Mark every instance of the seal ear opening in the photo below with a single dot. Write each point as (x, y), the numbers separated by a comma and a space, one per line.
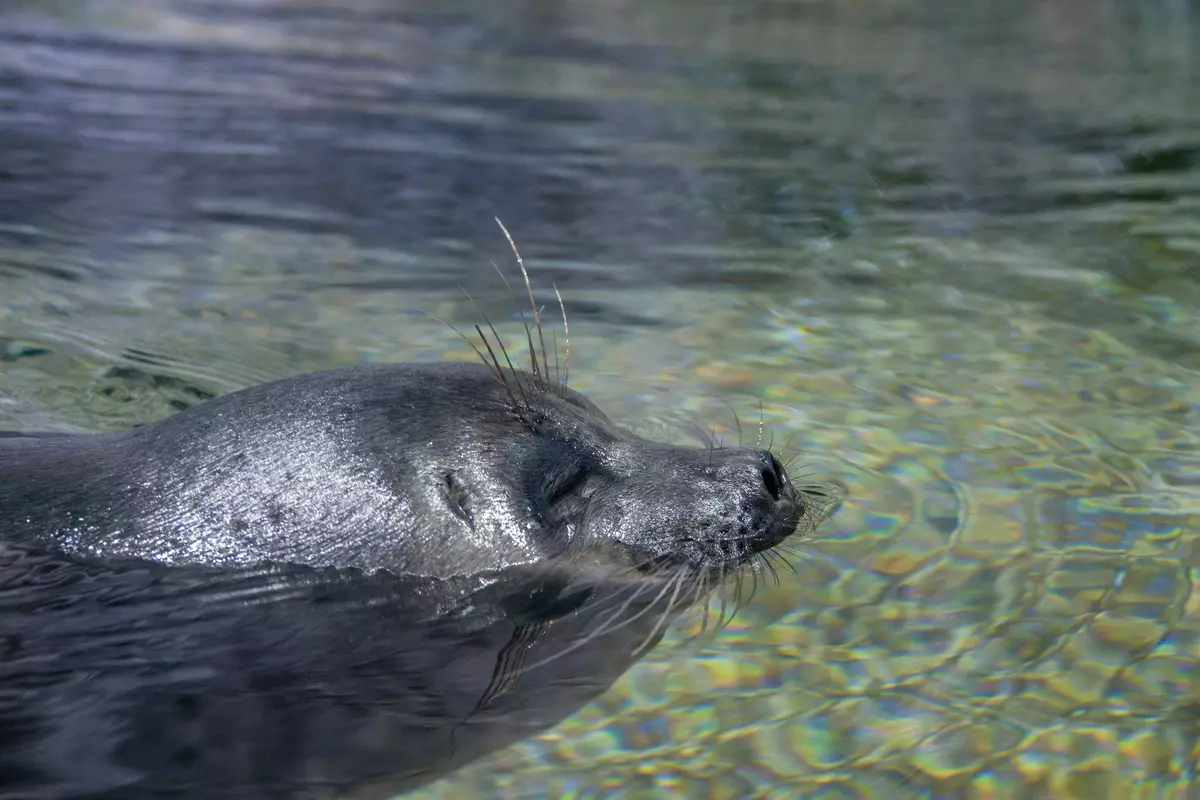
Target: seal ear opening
(458, 498)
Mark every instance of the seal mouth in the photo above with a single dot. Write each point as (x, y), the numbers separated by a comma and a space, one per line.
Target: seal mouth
(719, 555)
(780, 530)
(782, 521)
(798, 512)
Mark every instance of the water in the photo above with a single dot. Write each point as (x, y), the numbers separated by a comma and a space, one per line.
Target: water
(952, 254)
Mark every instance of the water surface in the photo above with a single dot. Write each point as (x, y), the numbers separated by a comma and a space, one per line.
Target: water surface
(952, 251)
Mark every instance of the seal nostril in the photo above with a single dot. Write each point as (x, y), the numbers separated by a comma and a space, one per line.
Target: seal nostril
(771, 472)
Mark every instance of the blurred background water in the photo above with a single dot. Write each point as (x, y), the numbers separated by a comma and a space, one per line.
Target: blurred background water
(952, 249)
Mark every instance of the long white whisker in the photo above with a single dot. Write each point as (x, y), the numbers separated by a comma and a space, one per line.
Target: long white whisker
(604, 627)
(680, 579)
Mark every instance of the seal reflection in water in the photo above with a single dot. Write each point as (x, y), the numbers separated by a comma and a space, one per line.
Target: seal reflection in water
(350, 582)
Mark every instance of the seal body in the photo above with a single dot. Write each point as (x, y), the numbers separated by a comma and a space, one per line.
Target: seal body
(339, 582)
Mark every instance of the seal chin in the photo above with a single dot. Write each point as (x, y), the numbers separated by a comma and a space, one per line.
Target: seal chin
(781, 527)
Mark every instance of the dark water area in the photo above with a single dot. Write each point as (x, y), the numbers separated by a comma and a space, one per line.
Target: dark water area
(603, 135)
(950, 250)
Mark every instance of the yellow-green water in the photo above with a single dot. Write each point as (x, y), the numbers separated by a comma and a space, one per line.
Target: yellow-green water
(953, 256)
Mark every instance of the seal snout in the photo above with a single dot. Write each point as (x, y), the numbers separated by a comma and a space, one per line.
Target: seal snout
(779, 510)
(758, 506)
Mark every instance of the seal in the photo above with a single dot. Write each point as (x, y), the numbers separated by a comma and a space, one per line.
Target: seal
(349, 581)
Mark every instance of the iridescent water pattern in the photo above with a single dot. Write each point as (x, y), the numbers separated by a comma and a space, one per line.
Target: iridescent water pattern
(953, 253)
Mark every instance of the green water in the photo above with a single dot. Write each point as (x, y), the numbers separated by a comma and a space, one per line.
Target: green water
(953, 256)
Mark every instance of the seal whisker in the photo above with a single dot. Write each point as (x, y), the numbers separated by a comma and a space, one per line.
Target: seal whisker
(463, 336)
(537, 317)
(679, 579)
(499, 341)
(805, 554)
(787, 447)
(604, 624)
(757, 567)
(719, 592)
(566, 340)
(754, 569)
(739, 577)
(821, 502)
(671, 586)
(808, 555)
(528, 333)
(694, 428)
(722, 620)
(604, 627)
(640, 587)
(516, 375)
(777, 553)
(557, 366)
(712, 582)
(736, 420)
(813, 515)
(698, 594)
(740, 598)
(755, 574)
(498, 374)
(820, 558)
(703, 585)
(649, 607)
(781, 559)
(765, 558)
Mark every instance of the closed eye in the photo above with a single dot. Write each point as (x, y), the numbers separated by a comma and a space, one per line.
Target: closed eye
(573, 485)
